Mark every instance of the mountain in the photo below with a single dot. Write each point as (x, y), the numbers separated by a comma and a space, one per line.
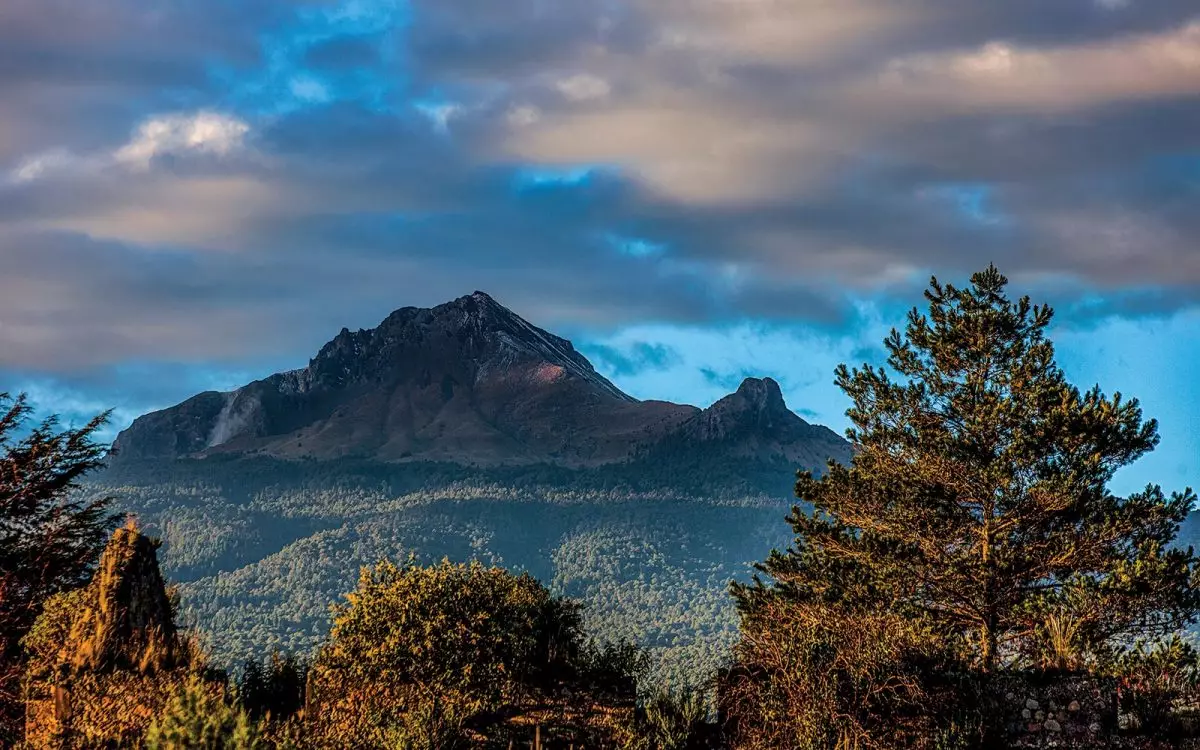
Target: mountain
(463, 431)
(468, 382)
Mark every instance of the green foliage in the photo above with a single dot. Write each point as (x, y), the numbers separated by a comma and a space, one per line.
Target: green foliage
(812, 677)
(611, 668)
(672, 721)
(465, 629)
(104, 659)
(200, 718)
(425, 652)
(978, 497)
(1155, 678)
(431, 724)
(50, 632)
(263, 548)
(49, 536)
(975, 512)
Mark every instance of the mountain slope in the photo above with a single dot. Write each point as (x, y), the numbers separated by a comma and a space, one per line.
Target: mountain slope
(467, 382)
(464, 431)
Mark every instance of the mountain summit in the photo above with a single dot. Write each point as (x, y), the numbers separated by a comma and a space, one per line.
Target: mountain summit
(467, 382)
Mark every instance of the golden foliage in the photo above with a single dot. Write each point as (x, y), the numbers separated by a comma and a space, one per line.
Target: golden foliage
(104, 660)
(818, 677)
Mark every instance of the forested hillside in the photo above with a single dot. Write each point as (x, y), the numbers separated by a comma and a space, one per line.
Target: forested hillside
(262, 548)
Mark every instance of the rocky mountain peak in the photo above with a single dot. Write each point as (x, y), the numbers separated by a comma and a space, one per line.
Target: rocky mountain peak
(757, 406)
(466, 381)
(762, 394)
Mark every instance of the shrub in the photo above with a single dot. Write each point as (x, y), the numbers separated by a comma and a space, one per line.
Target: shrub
(434, 654)
(274, 688)
(1154, 679)
(200, 718)
(672, 721)
(810, 678)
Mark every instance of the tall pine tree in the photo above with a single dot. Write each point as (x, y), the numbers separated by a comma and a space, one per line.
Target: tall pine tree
(50, 538)
(978, 500)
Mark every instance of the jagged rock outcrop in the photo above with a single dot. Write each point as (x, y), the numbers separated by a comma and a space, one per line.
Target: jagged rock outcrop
(466, 382)
(754, 423)
(105, 659)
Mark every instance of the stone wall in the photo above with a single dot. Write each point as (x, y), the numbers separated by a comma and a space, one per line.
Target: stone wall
(1060, 712)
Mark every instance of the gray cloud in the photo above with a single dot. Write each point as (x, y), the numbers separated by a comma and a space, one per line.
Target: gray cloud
(780, 157)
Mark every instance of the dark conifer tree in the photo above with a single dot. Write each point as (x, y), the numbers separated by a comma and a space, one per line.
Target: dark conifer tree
(49, 538)
(978, 496)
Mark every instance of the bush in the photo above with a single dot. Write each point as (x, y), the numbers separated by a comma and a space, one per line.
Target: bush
(817, 677)
(672, 721)
(1155, 679)
(200, 718)
(274, 688)
(427, 656)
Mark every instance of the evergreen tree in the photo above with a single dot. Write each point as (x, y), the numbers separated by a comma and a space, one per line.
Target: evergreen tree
(49, 540)
(977, 499)
(273, 688)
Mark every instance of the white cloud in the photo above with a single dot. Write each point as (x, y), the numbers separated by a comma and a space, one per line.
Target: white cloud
(36, 166)
(201, 132)
(134, 203)
(440, 113)
(170, 134)
(1001, 75)
(582, 87)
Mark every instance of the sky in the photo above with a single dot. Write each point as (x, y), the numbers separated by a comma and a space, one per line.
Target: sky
(198, 193)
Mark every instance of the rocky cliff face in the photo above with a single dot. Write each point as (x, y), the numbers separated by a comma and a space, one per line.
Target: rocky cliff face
(466, 382)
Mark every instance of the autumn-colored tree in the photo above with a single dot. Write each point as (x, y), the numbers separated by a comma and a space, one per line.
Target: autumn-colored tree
(200, 716)
(49, 538)
(103, 660)
(814, 676)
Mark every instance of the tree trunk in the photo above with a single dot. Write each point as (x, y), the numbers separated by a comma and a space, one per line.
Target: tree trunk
(987, 632)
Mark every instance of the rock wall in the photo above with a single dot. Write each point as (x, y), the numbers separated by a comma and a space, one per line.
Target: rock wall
(1063, 712)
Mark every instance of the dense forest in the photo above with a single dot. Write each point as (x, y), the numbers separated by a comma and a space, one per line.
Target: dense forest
(262, 548)
(967, 581)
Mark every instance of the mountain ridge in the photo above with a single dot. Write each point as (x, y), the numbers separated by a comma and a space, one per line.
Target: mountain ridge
(471, 382)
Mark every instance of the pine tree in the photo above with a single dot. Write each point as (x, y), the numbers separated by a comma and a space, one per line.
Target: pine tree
(978, 498)
(49, 538)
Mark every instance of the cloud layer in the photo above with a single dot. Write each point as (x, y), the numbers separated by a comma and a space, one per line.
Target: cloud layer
(201, 181)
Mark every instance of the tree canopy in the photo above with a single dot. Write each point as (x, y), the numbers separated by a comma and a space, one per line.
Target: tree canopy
(49, 538)
(974, 531)
(978, 493)
(427, 655)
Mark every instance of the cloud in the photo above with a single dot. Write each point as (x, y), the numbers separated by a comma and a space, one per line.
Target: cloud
(200, 132)
(582, 87)
(167, 135)
(776, 160)
(1006, 76)
(634, 358)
